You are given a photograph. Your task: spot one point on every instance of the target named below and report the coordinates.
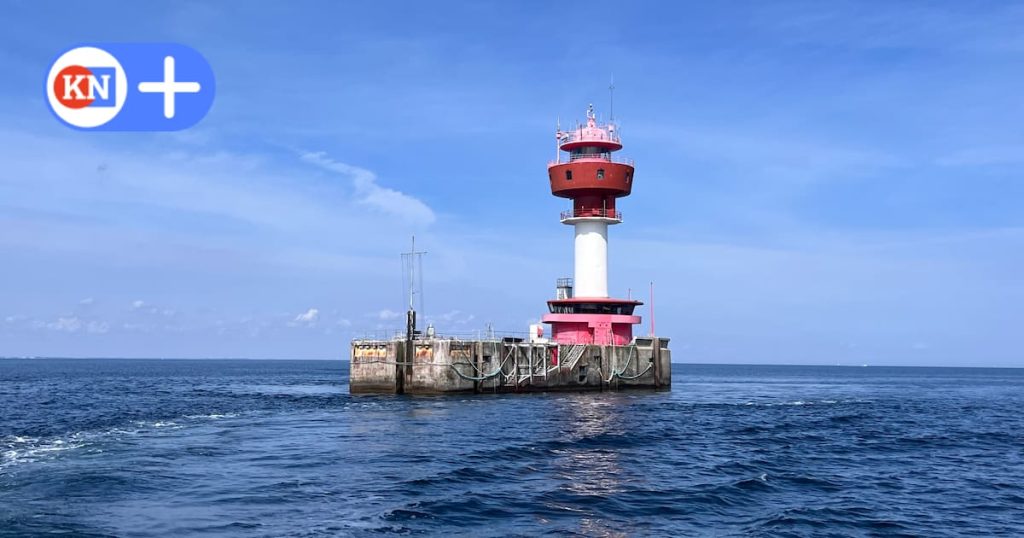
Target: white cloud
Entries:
(388, 314)
(448, 316)
(66, 324)
(308, 317)
(244, 198)
(70, 324)
(88, 301)
(371, 194)
(153, 310)
(455, 317)
(97, 327)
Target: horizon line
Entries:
(863, 365)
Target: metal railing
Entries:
(584, 134)
(606, 156)
(584, 213)
(487, 335)
(603, 157)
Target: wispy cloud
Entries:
(773, 156)
(143, 207)
(387, 315)
(373, 195)
(984, 156)
(308, 318)
(453, 317)
(983, 27)
(73, 324)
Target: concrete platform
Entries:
(448, 365)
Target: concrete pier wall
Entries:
(443, 365)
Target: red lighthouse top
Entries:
(590, 135)
(592, 177)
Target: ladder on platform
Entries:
(529, 361)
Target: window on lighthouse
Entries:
(600, 173)
(568, 175)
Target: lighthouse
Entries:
(593, 178)
(591, 344)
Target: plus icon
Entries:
(169, 87)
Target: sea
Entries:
(115, 447)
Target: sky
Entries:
(816, 182)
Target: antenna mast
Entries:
(611, 100)
(413, 261)
(558, 139)
(403, 367)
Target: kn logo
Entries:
(130, 87)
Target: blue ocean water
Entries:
(272, 448)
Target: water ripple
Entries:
(240, 448)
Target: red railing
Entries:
(583, 213)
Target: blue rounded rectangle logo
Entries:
(130, 87)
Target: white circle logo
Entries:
(86, 87)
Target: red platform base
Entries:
(597, 329)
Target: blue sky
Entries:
(817, 182)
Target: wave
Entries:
(212, 416)
(799, 403)
(18, 450)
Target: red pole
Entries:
(652, 308)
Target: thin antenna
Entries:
(558, 139)
(652, 308)
(412, 273)
(415, 261)
(419, 269)
(611, 100)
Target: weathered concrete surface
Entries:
(441, 365)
